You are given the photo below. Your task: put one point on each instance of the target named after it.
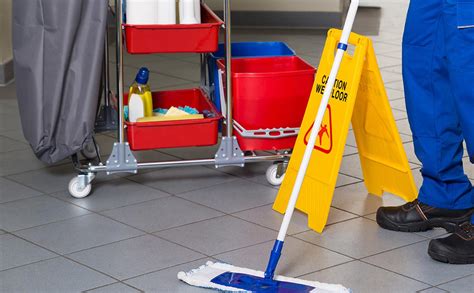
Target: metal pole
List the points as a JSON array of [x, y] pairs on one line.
[[106, 68], [228, 67], [119, 46]]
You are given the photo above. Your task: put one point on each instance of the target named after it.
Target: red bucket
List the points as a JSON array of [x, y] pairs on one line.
[[269, 100]]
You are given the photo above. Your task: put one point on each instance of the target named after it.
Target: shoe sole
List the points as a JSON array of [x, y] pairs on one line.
[[455, 260], [449, 224]]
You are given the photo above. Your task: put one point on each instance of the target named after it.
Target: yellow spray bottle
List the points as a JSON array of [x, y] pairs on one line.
[[140, 102]]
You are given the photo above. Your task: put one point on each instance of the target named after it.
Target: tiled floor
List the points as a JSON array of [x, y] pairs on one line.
[[134, 233]]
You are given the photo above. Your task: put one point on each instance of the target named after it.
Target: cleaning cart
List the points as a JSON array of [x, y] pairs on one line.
[[201, 39]]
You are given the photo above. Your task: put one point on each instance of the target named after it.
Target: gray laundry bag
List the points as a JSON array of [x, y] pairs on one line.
[[58, 52]]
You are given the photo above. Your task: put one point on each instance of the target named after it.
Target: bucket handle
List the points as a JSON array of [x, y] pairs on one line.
[[274, 133]]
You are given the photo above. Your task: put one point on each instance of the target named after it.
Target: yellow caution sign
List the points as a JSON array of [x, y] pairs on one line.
[[358, 95]]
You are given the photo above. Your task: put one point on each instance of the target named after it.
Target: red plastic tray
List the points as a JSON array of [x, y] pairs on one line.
[[269, 93], [172, 134], [176, 38]]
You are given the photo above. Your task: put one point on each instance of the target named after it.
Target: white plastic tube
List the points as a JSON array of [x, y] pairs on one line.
[[142, 11], [166, 12], [197, 10], [187, 12], [317, 123]]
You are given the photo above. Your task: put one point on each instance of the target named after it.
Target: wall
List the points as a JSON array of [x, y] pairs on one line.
[[5, 31], [6, 56], [280, 5]]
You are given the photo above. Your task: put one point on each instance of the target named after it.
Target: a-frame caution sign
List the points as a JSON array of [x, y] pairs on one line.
[[358, 95]]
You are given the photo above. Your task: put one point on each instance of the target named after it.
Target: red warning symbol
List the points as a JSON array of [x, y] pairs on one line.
[[324, 140]]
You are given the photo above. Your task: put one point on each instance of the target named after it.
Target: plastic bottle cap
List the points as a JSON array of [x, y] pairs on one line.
[[142, 75]]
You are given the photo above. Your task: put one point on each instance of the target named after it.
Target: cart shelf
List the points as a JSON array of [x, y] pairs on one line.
[[179, 133], [177, 38]]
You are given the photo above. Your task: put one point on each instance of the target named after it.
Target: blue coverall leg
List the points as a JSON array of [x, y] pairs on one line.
[[438, 73]]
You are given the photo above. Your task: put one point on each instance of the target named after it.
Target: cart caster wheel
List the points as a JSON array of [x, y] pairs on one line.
[[89, 151], [76, 191], [271, 175]]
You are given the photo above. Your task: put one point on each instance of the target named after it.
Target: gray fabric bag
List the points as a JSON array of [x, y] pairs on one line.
[[58, 52]]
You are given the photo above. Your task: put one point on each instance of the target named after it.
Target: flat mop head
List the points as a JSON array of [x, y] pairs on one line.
[[227, 278]]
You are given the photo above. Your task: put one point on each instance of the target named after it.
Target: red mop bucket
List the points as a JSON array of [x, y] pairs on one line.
[[269, 100]]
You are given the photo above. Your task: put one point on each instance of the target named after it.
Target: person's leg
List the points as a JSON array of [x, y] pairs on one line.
[[459, 39], [446, 192], [458, 23]]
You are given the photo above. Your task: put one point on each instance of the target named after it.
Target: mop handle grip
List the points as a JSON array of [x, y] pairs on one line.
[[342, 47]]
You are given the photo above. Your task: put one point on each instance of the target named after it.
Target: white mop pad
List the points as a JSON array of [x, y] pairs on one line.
[[202, 277]]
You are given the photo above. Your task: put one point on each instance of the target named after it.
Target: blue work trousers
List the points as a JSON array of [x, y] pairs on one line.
[[438, 74]]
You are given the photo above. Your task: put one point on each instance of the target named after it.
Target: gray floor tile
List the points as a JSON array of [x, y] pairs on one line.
[[160, 214], [404, 127], [114, 194], [359, 238], [19, 161], [399, 114], [394, 94], [9, 121], [133, 257], [383, 48], [351, 166], [385, 61], [361, 277], [267, 217], [53, 179], [35, 211], [396, 69], [298, 258], [15, 135], [10, 191], [463, 285], [179, 180], [8, 145], [410, 151], [218, 235], [250, 171], [343, 180], [114, 288], [413, 261], [167, 281], [233, 196], [16, 252], [393, 54], [396, 85], [176, 68], [78, 233], [468, 168], [433, 290], [388, 76], [56, 275], [398, 104], [350, 150], [355, 199]]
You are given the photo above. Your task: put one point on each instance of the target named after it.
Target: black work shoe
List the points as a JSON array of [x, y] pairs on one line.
[[416, 217], [455, 249]]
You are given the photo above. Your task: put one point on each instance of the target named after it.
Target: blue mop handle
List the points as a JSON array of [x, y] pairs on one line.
[[274, 258], [341, 49]]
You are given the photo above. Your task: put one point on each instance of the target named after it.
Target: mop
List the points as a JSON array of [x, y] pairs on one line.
[[228, 278]]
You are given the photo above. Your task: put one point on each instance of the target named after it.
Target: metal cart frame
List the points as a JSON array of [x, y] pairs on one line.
[[122, 159]]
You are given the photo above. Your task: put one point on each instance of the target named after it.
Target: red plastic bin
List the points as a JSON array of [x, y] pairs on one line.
[[180, 133], [269, 98], [176, 38]]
